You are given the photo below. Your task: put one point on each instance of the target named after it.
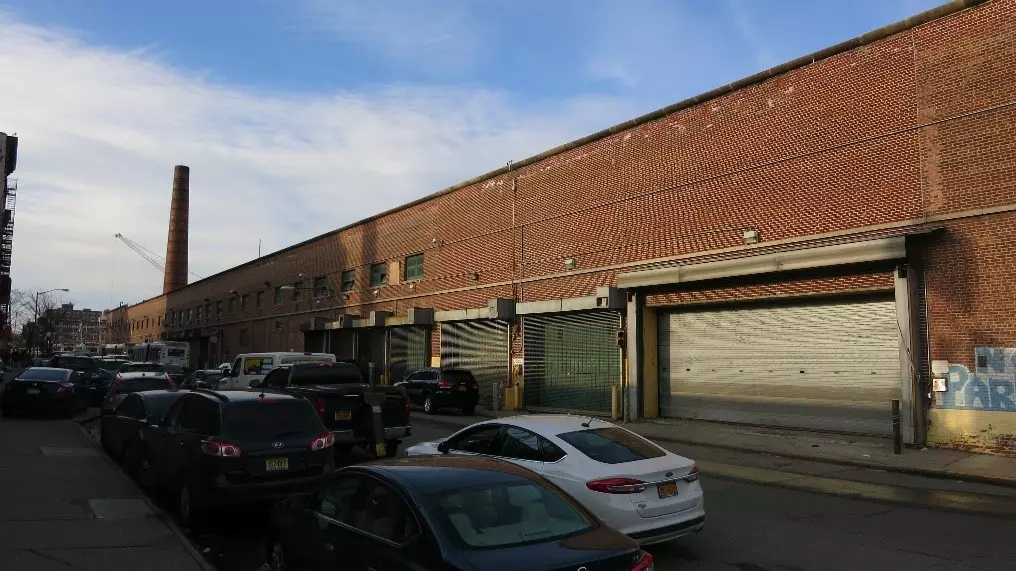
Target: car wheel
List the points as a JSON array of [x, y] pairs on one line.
[[187, 506], [277, 556], [428, 405], [469, 410]]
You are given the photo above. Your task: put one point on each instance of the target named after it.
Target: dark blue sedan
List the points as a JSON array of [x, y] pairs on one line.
[[44, 390], [444, 513]]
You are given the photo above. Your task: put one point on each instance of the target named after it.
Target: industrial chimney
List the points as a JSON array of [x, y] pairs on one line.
[[176, 245]]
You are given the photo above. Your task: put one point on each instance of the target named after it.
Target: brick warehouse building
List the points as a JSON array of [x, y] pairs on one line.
[[795, 249]]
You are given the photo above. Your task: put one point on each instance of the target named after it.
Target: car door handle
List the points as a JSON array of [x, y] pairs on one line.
[[329, 547]]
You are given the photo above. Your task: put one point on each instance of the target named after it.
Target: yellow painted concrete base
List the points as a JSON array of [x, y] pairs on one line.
[[991, 432], [512, 398]]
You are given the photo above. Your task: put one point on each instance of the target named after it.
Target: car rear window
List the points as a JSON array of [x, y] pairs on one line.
[[143, 368], [509, 514], [612, 445], [43, 375], [158, 406], [270, 418], [74, 362], [325, 374], [139, 384], [457, 376]]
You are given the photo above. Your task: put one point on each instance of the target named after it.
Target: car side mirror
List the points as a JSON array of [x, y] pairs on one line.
[[256, 383], [443, 447]]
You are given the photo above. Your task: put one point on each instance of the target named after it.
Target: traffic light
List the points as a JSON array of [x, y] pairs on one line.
[[622, 339]]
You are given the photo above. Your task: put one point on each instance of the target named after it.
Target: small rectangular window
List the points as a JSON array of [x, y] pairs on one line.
[[278, 296], [188, 316], [297, 291], [208, 309], [259, 299], [218, 309], [378, 274], [320, 287], [414, 267], [348, 280], [232, 305], [244, 301]]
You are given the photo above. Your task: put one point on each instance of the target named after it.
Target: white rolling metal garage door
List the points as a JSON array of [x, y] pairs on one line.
[[480, 347], [820, 366], [408, 351]]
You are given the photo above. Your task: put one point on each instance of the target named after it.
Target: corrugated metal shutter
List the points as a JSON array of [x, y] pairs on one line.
[[571, 360], [479, 346], [408, 349], [826, 366], [342, 344]]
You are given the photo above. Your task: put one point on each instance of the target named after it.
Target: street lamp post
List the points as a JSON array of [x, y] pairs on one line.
[[37, 296]]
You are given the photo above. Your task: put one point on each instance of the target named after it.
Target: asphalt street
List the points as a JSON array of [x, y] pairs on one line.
[[753, 527]]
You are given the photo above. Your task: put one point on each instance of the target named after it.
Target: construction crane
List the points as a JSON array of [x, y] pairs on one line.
[[151, 257]]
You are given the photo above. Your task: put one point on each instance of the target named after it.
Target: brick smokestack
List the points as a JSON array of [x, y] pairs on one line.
[[176, 245]]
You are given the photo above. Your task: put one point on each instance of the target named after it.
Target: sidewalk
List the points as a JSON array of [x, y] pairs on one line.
[[866, 452], [64, 505]]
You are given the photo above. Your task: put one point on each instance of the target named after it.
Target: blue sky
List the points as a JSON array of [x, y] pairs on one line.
[[351, 106]]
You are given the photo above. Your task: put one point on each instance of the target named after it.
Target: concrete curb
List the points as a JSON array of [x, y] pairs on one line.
[[926, 472], [159, 514]]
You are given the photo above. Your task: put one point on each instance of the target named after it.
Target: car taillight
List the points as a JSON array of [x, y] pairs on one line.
[[223, 449], [322, 442], [693, 475], [474, 385], [63, 388], [319, 406], [169, 380], [618, 486], [114, 387], [444, 384], [645, 562], [408, 406]]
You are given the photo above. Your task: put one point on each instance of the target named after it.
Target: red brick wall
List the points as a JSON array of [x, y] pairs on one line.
[[777, 288], [865, 137]]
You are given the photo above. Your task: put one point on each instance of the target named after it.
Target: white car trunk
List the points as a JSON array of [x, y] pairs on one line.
[[670, 493]]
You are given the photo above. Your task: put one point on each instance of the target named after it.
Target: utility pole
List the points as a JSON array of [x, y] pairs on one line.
[[37, 296]]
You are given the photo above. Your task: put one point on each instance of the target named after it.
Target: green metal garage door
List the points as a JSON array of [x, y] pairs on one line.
[[408, 351], [571, 360], [479, 346]]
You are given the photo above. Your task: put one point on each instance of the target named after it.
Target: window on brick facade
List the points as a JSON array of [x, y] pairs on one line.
[[188, 316], [414, 267], [259, 299], [232, 305], [348, 280], [244, 301], [169, 317], [297, 291], [199, 312], [378, 274], [208, 309], [244, 337], [218, 309], [320, 287], [278, 296]]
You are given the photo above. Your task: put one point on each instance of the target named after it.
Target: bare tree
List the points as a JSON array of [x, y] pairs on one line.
[[35, 315]]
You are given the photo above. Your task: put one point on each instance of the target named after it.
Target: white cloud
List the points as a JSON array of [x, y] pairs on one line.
[[100, 131], [437, 35]]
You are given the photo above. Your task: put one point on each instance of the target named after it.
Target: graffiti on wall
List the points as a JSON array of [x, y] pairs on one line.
[[991, 386]]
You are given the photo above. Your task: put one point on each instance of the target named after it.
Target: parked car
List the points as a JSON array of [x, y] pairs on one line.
[[444, 513], [248, 368], [142, 367], [339, 394], [84, 366], [434, 389], [99, 385], [121, 432], [203, 379], [127, 383], [44, 390], [220, 447], [640, 489]]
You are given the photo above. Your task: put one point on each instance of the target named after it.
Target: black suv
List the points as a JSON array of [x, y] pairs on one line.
[[217, 447]]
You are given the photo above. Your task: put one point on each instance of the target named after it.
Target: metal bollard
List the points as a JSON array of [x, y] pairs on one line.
[[897, 434]]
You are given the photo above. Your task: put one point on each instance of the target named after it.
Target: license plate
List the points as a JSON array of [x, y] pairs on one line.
[[343, 415], [32, 391], [276, 464], [668, 489], [463, 389]]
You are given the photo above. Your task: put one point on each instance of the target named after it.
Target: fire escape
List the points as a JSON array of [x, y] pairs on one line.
[[7, 237]]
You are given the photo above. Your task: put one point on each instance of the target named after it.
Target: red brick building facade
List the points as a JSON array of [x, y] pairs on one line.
[[871, 181]]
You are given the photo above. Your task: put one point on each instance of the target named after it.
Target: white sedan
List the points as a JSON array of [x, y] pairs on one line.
[[638, 488]]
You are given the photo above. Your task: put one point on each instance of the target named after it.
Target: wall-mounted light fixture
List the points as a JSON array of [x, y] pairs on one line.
[[376, 292], [436, 242], [345, 296], [569, 263], [268, 284], [751, 236], [233, 292], [412, 286], [474, 276]]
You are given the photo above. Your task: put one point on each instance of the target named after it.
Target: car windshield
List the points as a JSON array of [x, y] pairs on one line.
[[325, 374], [269, 418], [142, 368], [74, 362], [43, 375], [138, 384], [509, 514], [213, 377], [612, 445]]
